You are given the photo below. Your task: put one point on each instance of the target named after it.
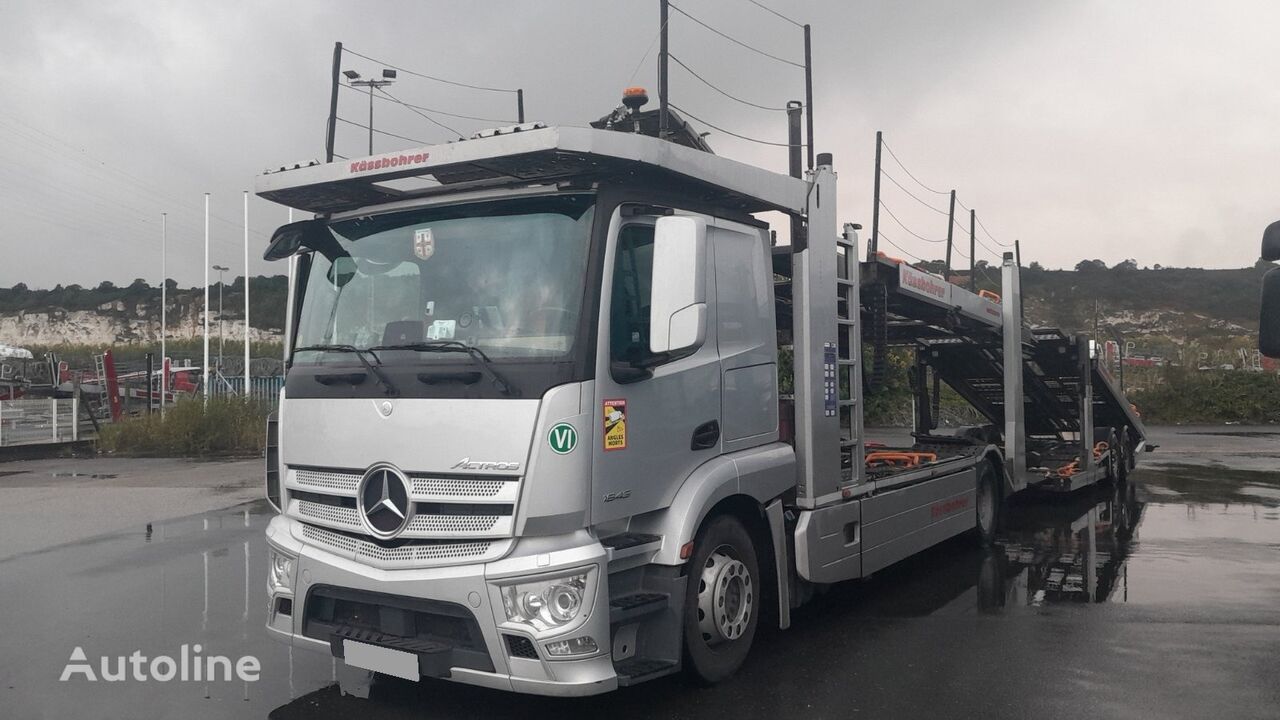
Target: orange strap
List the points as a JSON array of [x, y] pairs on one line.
[[993, 297], [1073, 467], [906, 459]]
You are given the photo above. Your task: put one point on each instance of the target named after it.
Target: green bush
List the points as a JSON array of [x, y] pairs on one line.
[[226, 426], [1211, 396]]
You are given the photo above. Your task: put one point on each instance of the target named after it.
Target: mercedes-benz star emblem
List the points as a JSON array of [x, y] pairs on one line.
[[383, 501]]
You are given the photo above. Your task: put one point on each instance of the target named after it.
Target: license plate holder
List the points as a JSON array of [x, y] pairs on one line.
[[387, 661]]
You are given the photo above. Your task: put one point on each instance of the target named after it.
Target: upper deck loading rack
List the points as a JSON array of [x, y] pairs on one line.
[[525, 155]]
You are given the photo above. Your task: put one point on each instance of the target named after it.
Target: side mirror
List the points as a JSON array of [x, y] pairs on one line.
[[1269, 318], [678, 309], [289, 240], [1271, 242]]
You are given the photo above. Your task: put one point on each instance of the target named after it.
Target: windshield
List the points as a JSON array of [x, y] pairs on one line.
[[505, 277]]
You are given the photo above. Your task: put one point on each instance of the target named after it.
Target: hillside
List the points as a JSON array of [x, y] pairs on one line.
[[111, 315], [1187, 315]]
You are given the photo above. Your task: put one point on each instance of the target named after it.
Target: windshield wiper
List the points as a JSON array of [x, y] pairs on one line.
[[378, 375], [476, 354]]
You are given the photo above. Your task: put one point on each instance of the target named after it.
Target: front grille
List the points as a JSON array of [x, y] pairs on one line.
[[326, 480], [411, 553], [425, 487], [457, 518], [340, 513], [453, 523], [456, 487], [330, 514]]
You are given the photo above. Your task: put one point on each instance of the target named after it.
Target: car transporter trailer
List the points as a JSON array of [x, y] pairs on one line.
[[585, 474]]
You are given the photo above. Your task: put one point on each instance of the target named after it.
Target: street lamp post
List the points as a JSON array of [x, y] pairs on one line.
[[164, 305], [353, 78], [220, 270]]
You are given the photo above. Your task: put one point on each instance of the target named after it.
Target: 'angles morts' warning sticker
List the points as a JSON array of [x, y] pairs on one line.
[[615, 424]]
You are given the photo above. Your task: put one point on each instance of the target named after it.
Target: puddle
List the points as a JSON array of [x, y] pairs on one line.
[[1233, 433], [1214, 481], [91, 476]]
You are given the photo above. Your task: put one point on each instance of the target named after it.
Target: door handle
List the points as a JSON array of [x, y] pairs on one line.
[[705, 436]]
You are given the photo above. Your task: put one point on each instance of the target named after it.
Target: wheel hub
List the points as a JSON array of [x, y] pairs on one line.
[[726, 598]]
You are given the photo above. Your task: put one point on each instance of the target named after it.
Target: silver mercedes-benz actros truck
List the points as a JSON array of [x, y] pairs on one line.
[[534, 435]]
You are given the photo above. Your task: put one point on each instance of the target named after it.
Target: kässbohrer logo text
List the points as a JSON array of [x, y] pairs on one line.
[[388, 161]]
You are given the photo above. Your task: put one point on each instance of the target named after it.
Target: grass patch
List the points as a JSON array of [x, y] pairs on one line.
[[226, 426]]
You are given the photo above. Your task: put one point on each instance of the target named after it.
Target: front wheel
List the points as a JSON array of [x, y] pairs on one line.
[[988, 502], [722, 600]]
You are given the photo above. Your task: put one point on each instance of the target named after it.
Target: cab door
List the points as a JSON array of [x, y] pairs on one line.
[[653, 424]]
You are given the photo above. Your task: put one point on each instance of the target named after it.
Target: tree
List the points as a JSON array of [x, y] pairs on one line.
[[1090, 266], [106, 286], [1125, 265], [1036, 267]]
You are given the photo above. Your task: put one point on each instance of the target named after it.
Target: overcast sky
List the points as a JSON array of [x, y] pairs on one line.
[[1085, 129]]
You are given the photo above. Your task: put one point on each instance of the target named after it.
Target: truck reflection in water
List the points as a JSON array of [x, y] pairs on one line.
[[1068, 552]]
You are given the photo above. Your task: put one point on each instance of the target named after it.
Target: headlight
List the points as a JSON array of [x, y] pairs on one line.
[[281, 572], [545, 604]]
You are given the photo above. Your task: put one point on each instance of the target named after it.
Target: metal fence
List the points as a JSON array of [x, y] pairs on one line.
[[29, 422], [263, 389]]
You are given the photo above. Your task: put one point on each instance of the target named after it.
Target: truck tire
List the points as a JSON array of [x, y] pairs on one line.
[[722, 600], [1113, 457], [1131, 445], [1123, 451], [988, 503]]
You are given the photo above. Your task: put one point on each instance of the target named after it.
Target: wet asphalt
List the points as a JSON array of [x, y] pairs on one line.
[[1159, 599]]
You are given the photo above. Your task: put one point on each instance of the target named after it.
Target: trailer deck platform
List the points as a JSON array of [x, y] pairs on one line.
[[958, 337]]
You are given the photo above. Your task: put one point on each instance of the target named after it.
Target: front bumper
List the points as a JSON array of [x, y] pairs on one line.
[[460, 589]]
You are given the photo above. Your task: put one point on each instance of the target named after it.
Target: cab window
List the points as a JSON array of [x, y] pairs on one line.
[[632, 290]]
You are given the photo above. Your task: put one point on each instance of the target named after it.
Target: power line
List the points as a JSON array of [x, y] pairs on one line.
[[988, 232], [419, 113], [901, 249], [709, 84], [908, 172], [648, 50], [913, 195], [984, 228], [691, 116], [733, 39], [904, 226], [433, 110], [426, 76], [98, 165], [965, 229], [381, 132], [771, 11]]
